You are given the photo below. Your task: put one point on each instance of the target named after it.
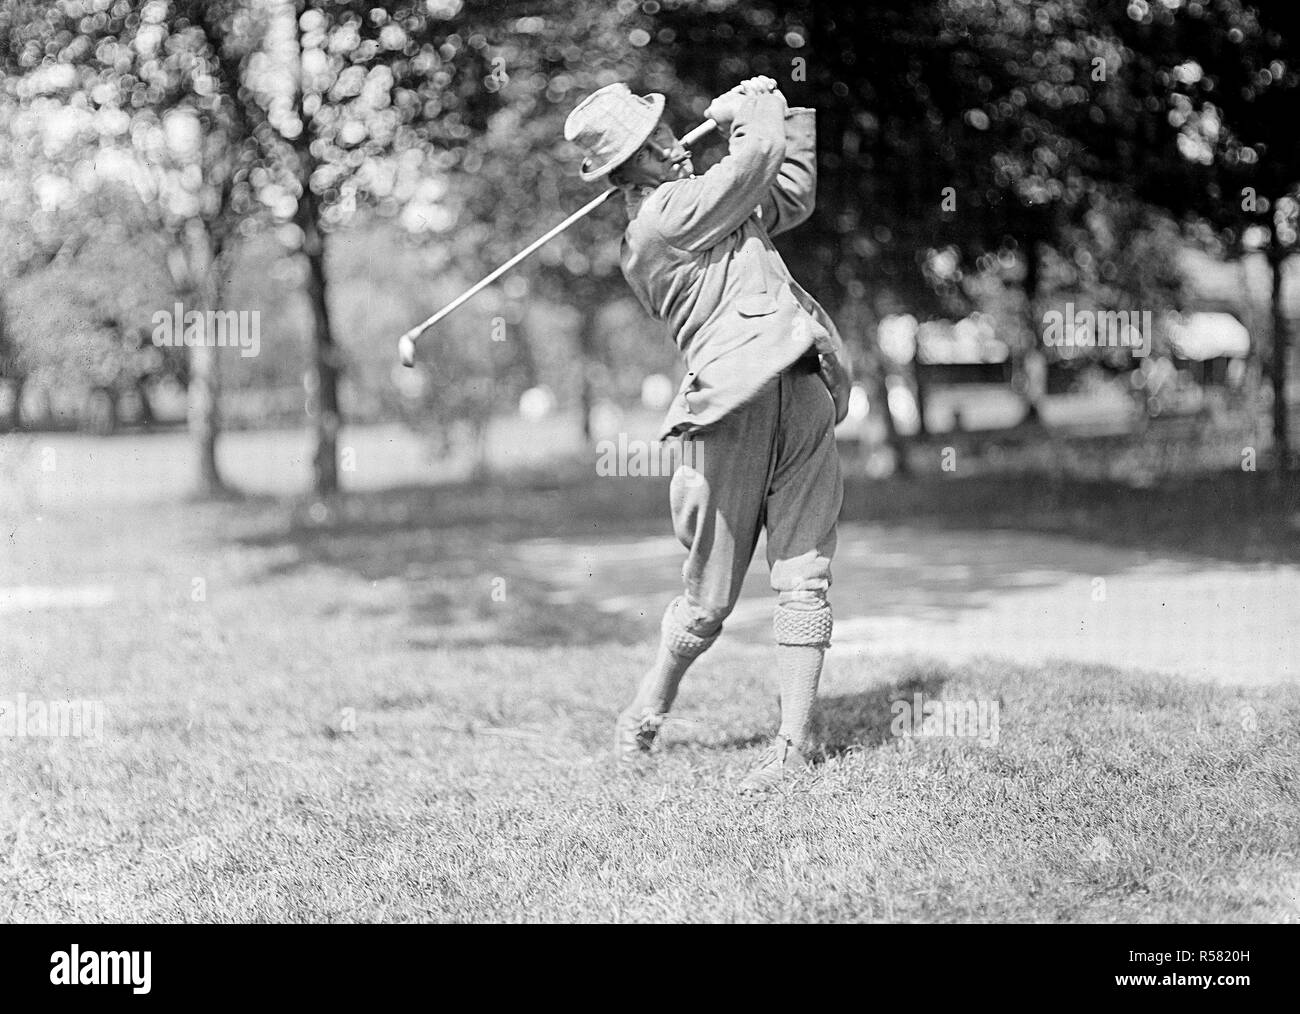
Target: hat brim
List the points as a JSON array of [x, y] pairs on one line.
[[590, 173]]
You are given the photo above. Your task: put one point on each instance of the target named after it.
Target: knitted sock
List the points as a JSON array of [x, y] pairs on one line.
[[803, 632], [677, 650], [800, 668]]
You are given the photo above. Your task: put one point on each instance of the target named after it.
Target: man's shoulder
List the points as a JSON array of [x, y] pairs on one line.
[[649, 217], [657, 217], [645, 208]]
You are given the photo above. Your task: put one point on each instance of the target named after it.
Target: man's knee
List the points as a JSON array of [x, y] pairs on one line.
[[804, 576], [690, 627], [805, 620]]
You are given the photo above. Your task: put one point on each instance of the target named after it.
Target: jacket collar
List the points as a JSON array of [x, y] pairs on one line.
[[636, 197]]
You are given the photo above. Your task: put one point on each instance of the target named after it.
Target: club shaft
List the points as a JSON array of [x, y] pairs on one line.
[[536, 244], [541, 241]]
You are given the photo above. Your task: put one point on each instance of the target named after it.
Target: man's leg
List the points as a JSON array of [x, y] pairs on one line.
[[802, 510], [639, 722], [803, 633], [717, 500]]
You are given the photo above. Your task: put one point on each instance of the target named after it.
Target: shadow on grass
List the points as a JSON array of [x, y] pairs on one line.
[[456, 552], [857, 720], [466, 565], [1234, 516], [853, 721]]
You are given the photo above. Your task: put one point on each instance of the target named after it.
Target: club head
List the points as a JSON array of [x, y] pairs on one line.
[[406, 350]]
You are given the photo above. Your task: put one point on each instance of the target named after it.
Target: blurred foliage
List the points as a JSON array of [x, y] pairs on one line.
[[988, 155], [1061, 124]]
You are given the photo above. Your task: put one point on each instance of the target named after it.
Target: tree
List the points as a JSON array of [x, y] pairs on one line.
[[1181, 108], [33, 239], [305, 112], [1226, 78], [126, 92]]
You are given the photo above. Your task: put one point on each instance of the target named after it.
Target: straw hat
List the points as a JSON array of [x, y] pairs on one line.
[[609, 126]]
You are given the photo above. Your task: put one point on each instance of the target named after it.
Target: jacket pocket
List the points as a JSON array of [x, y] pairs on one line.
[[758, 304]]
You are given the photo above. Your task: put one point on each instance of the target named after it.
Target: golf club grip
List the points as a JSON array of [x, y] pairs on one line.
[[699, 132], [406, 343]]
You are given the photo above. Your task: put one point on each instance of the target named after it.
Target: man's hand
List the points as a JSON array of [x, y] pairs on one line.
[[757, 85], [839, 382], [724, 108]]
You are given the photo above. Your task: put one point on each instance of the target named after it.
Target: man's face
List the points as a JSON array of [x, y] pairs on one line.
[[660, 160]]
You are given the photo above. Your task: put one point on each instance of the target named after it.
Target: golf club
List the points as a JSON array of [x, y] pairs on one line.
[[406, 344]]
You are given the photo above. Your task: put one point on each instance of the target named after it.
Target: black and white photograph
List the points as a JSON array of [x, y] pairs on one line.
[[651, 462]]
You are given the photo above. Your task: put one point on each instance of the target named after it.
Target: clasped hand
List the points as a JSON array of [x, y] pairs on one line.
[[724, 108]]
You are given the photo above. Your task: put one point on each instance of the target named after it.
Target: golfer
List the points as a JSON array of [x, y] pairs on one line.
[[766, 382]]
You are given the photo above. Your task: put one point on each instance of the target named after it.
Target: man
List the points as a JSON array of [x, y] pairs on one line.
[[766, 383]]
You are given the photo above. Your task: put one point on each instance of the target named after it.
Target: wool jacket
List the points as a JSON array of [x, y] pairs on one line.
[[698, 253]]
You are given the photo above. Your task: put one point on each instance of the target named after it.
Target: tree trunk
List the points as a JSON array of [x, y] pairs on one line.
[[194, 268], [587, 343], [922, 395], [16, 410], [9, 372], [323, 393], [325, 361], [12, 374], [861, 319], [1248, 315], [204, 421], [1025, 378], [147, 416], [1278, 366]]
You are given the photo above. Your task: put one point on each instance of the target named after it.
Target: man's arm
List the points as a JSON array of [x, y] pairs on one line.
[[793, 194], [696, 214]]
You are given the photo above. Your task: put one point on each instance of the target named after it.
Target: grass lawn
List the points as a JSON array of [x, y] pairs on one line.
[[373, 714]]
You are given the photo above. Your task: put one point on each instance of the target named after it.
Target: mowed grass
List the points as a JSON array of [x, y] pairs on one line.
[[350, 724]]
